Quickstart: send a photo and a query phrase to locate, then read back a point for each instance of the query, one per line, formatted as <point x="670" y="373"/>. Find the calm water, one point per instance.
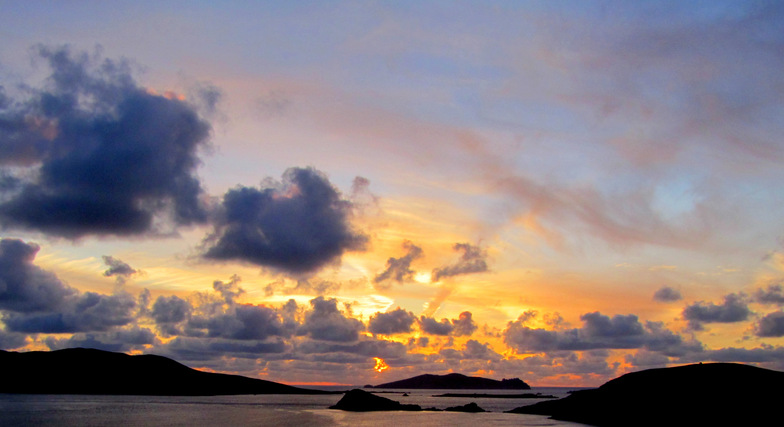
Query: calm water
<point x="260" y="410"/>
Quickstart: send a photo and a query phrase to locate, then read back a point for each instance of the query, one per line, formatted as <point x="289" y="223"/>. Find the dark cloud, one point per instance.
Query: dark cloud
<point x="597" y="333"/>
<point x="772" y="325"/>
<point x="473" y="350"/>
<point x="297" y="226"/>
<point x="734" y="309"/>
<point x="399" y="269"/>
<point x="325" y="322"/>
<point x="432" y="326"/>
<point x="36" y="301"/>
<point x="118" y="269"/>
<point x="94" y="153"/>
<point x="397" y="321"/>
<point x="462" y="326"/>
<point x="121" y="340"/>
<point x="774" y="294"/>
<point x="667" y="294"/>
<point x="12" y="340"/>
<point x="473" y="260"/>
<point x="25" y="287"/>
<point x="85" y="312"/>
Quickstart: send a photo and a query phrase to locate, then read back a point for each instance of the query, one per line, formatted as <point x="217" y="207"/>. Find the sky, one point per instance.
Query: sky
<point x="558" y="191"/>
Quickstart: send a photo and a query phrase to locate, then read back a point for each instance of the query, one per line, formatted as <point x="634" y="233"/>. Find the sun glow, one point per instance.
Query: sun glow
<point x="381" y="366"/>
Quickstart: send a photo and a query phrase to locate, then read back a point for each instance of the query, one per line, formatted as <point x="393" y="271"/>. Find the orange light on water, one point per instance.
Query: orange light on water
<point x="381" y="366"/>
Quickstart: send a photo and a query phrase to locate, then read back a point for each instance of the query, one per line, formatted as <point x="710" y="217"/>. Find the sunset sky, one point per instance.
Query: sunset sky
<point x="560" y="191"/>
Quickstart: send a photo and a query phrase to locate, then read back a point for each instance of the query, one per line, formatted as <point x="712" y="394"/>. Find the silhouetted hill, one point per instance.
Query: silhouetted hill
<point x="702" y="394"/>
<point x="88" y="371"/>
<point x="455" y="381"/>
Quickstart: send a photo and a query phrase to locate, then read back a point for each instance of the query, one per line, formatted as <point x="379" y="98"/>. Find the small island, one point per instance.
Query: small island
<point x="455" y="381"/>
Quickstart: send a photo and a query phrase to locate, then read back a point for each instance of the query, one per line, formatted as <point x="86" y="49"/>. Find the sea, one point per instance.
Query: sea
<point x="267" y="410"/>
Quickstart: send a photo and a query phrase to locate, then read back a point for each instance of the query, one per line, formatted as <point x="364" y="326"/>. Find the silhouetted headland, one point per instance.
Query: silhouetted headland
<point x="701" y="394"/>
<point x="89" y="371"/>
<point x="455" y="381"/>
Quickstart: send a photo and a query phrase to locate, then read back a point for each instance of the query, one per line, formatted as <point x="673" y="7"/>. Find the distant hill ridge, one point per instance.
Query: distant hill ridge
<point x="90" y="371"/>
<point x="455" y="381"/>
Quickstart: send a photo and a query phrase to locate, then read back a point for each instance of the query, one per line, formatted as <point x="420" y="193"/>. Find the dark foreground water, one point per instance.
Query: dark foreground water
<point x="260" y="410"/>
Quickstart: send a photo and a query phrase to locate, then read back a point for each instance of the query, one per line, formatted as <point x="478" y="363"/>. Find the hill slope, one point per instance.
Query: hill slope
<point x="702" y="394"/>
<point x="456" y="381"/>
<point x="88" y="371"/>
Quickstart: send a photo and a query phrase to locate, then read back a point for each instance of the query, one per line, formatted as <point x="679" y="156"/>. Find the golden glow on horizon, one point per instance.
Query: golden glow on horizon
<point x="381" y="366"/>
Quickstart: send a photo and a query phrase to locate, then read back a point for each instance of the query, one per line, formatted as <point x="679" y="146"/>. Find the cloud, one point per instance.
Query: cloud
<point x="399" y="269"/>
<point x="84" y="312"/>
<point x="119" y="269"/>
<point x="734" y="309"/>
<point x="597" y="333"/>
<point x="774" y="294"/>
<point x="296" y="226"/>
<point x="473" y="260"/>
<point x="462" y="326"/>
<point x="25" y="287"/>
<point x="325" y="322"/>
<point x="121" y="340"/>
<point x="667" y="294"/>
<point x="12" y="340"/>
<point x="397" y="321"/>
<point x="772" y="325"/>
<point x="93" y="153"/>
<point x="472" y="350"/>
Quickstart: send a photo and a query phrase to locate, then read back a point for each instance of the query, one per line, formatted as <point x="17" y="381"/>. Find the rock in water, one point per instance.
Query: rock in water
<point x="469" y="407"/>
<point x="360" y="401"/>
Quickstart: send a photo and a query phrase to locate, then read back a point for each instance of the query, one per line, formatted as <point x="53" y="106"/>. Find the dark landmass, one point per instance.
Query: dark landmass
<point x="357" y="400"/>
<point x="701" y="394"/>
<point x="455" y="381"/>
<point x="89" y="371"/>
<point x="498" y="396"/>
<point x="469" y="407"/>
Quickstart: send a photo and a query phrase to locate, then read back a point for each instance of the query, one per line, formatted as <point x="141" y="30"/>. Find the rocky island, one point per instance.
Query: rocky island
<point x="89" y="371"/>
<point x="455" y="381"/>
<point x="357" y="400"/>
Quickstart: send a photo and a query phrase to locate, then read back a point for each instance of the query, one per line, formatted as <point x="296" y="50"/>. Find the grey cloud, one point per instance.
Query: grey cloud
<point x="99" y="154"/>
<point x="118" y="269"/>
<point x="394" y="322"/>
<point x="399" y="269"/>
<point x="772" y="325"/>
<point x="25" y="287"/>
<point x="86" y="312"/>
<point x="462" y="326"/>
<point x="667" y="294"/>
<point x="734" y="309"/>
<point x="774" y="294"/>
<point x="12" y="340"/>
<point x="598" y="332"/>
<point x="432" y="326"/>
<point x="473" y="350"/>
<point x="473" y="260"/>
<point x="325" y="322"/>
<point x="121" y="340"/>
<point x="297" y="226"/>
